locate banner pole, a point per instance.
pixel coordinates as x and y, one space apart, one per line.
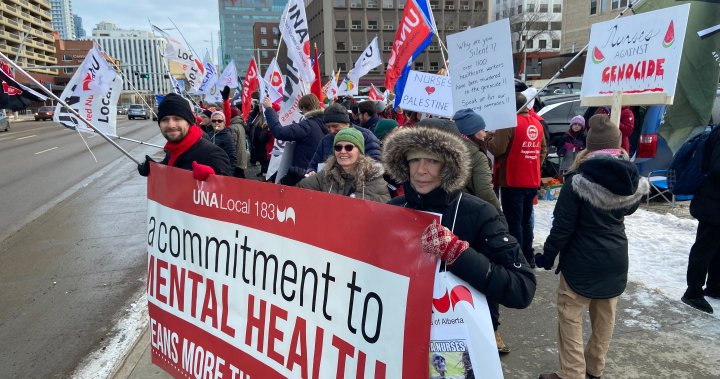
69 109
139 142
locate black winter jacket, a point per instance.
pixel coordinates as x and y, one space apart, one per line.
224 139
588 228
307 134
705 205
204 152
493 264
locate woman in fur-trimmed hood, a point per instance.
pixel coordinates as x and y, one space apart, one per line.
588 233
349 172
472 238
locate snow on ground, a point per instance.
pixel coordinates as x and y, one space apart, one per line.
659 245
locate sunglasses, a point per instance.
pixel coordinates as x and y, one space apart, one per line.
217 121
348 148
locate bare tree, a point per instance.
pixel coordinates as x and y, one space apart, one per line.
528 26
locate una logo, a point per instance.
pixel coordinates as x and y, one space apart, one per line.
532 132
286 215
87 82
452 297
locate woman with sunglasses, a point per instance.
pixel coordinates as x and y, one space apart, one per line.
349 172
222 136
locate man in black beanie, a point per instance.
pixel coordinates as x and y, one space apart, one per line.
186 148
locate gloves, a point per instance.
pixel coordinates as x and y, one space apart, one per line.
144 168
225 93
201 171
441 242
541 261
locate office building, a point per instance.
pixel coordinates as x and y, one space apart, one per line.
579 15
62 18
71 54
26 36
79 30
266 37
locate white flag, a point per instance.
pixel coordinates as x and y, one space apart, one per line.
294 29
191 66
210 77
95 75
332 89
348 87
99 109
369 59
228 77
274 81
213 95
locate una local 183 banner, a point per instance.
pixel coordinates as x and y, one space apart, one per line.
253 281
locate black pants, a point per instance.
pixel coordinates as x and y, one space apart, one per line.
517 205
239 173
704 260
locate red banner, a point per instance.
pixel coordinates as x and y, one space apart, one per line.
250 279
411 33
250 85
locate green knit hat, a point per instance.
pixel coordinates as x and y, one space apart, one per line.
353 136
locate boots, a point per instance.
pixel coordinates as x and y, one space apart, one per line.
698 303
502 348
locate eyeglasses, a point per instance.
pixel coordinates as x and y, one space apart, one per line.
217 121
348 148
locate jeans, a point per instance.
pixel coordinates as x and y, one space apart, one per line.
517 205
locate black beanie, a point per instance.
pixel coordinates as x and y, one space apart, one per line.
175 105
336 113
207 112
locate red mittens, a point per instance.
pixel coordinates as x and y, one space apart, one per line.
441 242
201 171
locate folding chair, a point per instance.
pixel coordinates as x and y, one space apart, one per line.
658 183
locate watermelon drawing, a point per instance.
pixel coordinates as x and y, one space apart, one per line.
669 35
597 56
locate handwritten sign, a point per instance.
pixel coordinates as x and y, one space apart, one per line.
481 69
637 54
428 93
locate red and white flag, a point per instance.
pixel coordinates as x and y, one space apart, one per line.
191 65
274 82
250 85
295 33
374 94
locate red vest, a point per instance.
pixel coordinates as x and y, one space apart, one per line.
523 160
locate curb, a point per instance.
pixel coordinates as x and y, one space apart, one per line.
131 360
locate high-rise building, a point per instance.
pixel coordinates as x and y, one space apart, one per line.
62 18
267 38
26 35
71 54
79 30
343 29
138 51
237 18
579 15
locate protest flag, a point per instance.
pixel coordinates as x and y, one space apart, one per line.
228 77
369 59
175 51
414 34
295 33
374 94
250 85
316 86
15 96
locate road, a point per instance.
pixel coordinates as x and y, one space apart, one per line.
77 253
42 160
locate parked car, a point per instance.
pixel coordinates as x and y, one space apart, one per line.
44 113
121 110
557 113
138 111
4 121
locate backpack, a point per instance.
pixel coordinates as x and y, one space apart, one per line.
685 174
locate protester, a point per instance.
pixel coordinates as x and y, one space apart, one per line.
588 232
185 147
261 138
385 127
411 119
472 238
223 137
704 259
336 118
349 172
627 124
205 123
367 114
237 127
307 133
573 142
519 153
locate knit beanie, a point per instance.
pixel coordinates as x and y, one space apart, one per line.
578 120
384 127
175 105
603 134
353 136
207 112
468 122
234 112
336 113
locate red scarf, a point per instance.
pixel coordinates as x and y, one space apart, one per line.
176 149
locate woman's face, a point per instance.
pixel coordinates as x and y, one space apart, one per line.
576 127
346 154
481 134
425 174
218 123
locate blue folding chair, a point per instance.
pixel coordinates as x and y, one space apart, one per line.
659 184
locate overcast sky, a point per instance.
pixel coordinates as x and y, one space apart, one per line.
196 19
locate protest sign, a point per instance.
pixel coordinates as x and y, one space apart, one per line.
636 55
243 281
428 93
481 69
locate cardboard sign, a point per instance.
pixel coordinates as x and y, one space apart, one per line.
428 93
636 55
244 280
481 69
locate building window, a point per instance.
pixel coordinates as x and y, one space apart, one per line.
450 5
519 9
556 44
434 66
357 48
531 8
67 58
263 30
275 42
340 4
387 46
419 66
478 5
264 53
557 8
543 8
542 43
619 4
555 25
275 30
372 3
498 16
263 42
372 25
342 67
602 6
356 4
68 70
388 4
356 25
517 45
341 46
530 44
593 6
340 24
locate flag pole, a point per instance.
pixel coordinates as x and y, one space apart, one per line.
183 37
69 109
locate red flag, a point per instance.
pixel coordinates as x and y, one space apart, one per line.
409 39
374 94
316 86
250 85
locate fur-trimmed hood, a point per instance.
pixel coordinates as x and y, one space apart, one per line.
313 114
451 148
367 171
609 183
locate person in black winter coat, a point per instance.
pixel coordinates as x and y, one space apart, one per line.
588 233
222 136
704 259
473 238
186 148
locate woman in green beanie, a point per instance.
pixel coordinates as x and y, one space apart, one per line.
349 172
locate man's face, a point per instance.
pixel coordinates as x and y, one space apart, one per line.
174 128
364 117
204 119
335 127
